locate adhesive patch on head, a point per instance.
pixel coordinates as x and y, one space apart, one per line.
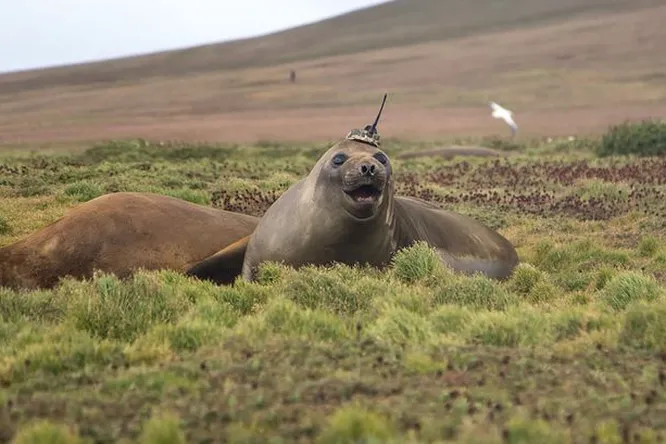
369 133
364 136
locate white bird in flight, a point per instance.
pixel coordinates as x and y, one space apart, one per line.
504 114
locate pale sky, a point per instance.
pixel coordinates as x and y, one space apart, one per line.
38 33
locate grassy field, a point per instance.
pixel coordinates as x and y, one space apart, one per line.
571 349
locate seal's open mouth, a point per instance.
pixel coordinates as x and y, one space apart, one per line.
364 194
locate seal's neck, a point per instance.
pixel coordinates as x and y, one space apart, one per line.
369 241
390 220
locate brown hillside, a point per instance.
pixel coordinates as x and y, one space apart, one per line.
396 23
564 67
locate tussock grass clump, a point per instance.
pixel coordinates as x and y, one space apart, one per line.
451 319
659 259
339 289
108 307
543 291
32 187
46 432
205 323
531 283
569 324
648 246
475 291
127 151
83 191
417 299
40 306
55 352
419 262
597 189
285 317
5 227
628 287
645 327
270 273
520 429
525 276
514 329
419 362
162 429
186 336
212 311
550 257
354 423
583 255
574 266
645 138
194 196
602 276
243 297
400 326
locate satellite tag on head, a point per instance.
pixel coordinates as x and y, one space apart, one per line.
369 133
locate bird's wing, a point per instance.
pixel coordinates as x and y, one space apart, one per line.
511 123
498 111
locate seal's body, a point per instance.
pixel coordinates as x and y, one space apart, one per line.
463 243
345 211
340 214
119 233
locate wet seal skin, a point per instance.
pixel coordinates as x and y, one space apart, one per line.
345 211
119 233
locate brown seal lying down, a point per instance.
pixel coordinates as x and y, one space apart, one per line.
118 233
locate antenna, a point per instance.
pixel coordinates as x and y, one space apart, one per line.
373 128
369 133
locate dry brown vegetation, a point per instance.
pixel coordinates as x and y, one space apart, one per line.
564 67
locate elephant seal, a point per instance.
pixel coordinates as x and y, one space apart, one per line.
119 233
345 211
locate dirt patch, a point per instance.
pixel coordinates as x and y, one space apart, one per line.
332 124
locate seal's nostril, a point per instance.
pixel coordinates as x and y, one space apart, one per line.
368 169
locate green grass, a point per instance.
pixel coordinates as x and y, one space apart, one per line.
645 138
571 349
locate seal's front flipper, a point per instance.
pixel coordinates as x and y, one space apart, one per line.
224 266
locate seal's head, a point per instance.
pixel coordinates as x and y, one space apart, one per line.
359 176
358 173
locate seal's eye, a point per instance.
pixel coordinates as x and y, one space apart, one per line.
339 159
381 157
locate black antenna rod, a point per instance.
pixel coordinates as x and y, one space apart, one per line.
373 129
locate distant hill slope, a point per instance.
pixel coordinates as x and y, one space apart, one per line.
397 23
564 67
